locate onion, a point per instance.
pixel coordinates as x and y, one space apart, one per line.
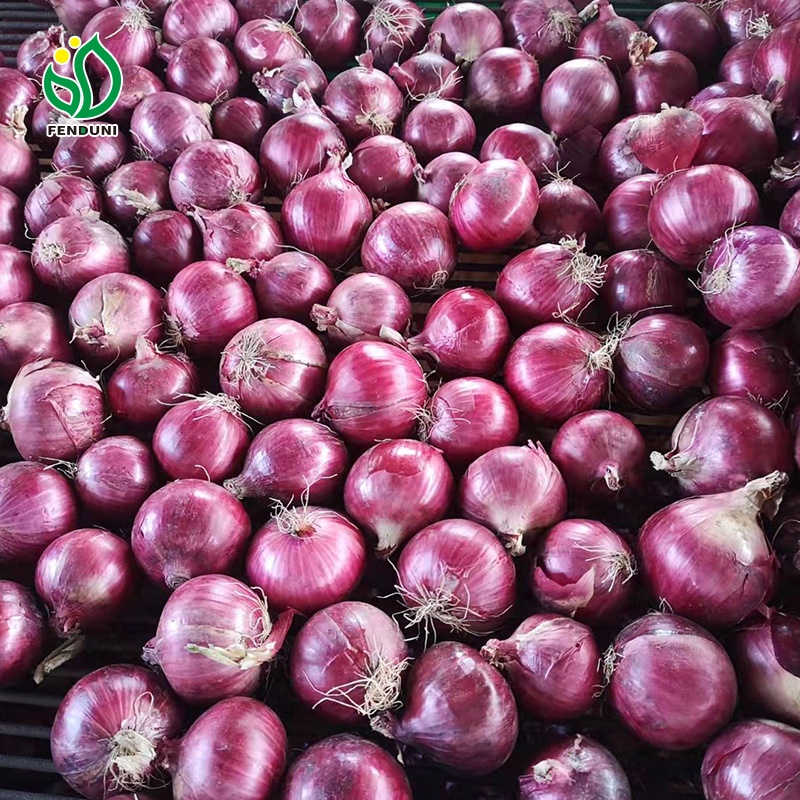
549 281
790 218
35 53
362 306
30 332
37 506
291 458
17 96
732 570
468 30
25 633
693 208
734 20
459 712
189 19
503 83
617 162
141 390
278 86
625 212
374 392
657 658
566 210
266 44
114 477
242 121
578 94
330 29
346 760
260 9
607 38
661 360
291 284
54 411
385 169
544 29
363 101
552 664
441 176
61 195
92 157
393 31
413 244
274 369
556 371
685 28
737 65
137 83
109 729
18 164
327 215
10 217
16 277
164 124
206 304
667 141
75 14
189 528
734 282
126 33
437 126
488 218
347 662
776 70
163 244
204 70
110 313
306 558
574 769
429 74
579 155
723 443
455 576
519 141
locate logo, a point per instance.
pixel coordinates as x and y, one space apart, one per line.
76 101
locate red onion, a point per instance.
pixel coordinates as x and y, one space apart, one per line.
266 44
109 729
347 662
37 506
617 162
306 558
10 217
16 277
204 70
667 141
54 411
374 392
579 94
545 29
737 65
566 210
719 90
429 74
721 444
43 115
655 78
17 96
242 121
238 739
189 528
163 244
607 38
519 141
503 83
18 164
110 313
556 371
206 304
458 711
455 576
393 31
114 477
164 124
441 176
362 306
488 218
385 169
135 190
733 571
141 390
188 19
552 664
346 760
363 101
413 244
291 458
661 360
260 9
574 769
790 218
92 157
327 215
36 52
735 20
278 86
239 236
137 83
61 195
779 12
583 569
25 633
126 33
693 208
468 30
752 759
578 158
30 332
330 29
75 14
685 28
551 280
437 126
291 284
625 212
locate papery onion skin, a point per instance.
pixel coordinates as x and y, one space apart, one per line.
467 31
625 213
242 121
278 86
567 211
137 83
737 64
776 70
16 277
24 632
441 176
546 30
30 332
617 161
126 33
685 28
330 29
518 140
658 657
259 9
384 168
429 74
503 83
163 244
393 31
188 528
185 20
18 169
90 157
438 126
61 195
36 52
17 96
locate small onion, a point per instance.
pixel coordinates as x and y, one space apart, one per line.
546 29
61 195
163 244
16 277
25 633
204 70
441 176
188 19
92 157
567 211
30 332
625 212
330 29
242 121
503 83
428 74
607 38
278 86
137 83
385 169
266 44
468 30
393 31
518 141
126 33
437 126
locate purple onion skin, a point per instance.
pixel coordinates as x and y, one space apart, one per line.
16 278
163 244
686 28
790 218
24 633
10 217
137 83
625 213
242 121
290 284
60 196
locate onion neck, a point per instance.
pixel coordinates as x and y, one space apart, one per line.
64 653
765 494
611 478
679 465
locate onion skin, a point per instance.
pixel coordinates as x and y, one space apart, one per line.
428 74
30 332
90 157
685 28
16 277
458 711
24 633
291 284
625 213
533 146
137 83
437 126
61 196
567 211
552 664
607 37
163 244
737 64
366 769
441 176
18 169
467 32
134 190
188 528
125 33
503 83
10 217
207 58
617 161
717 91
242 121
